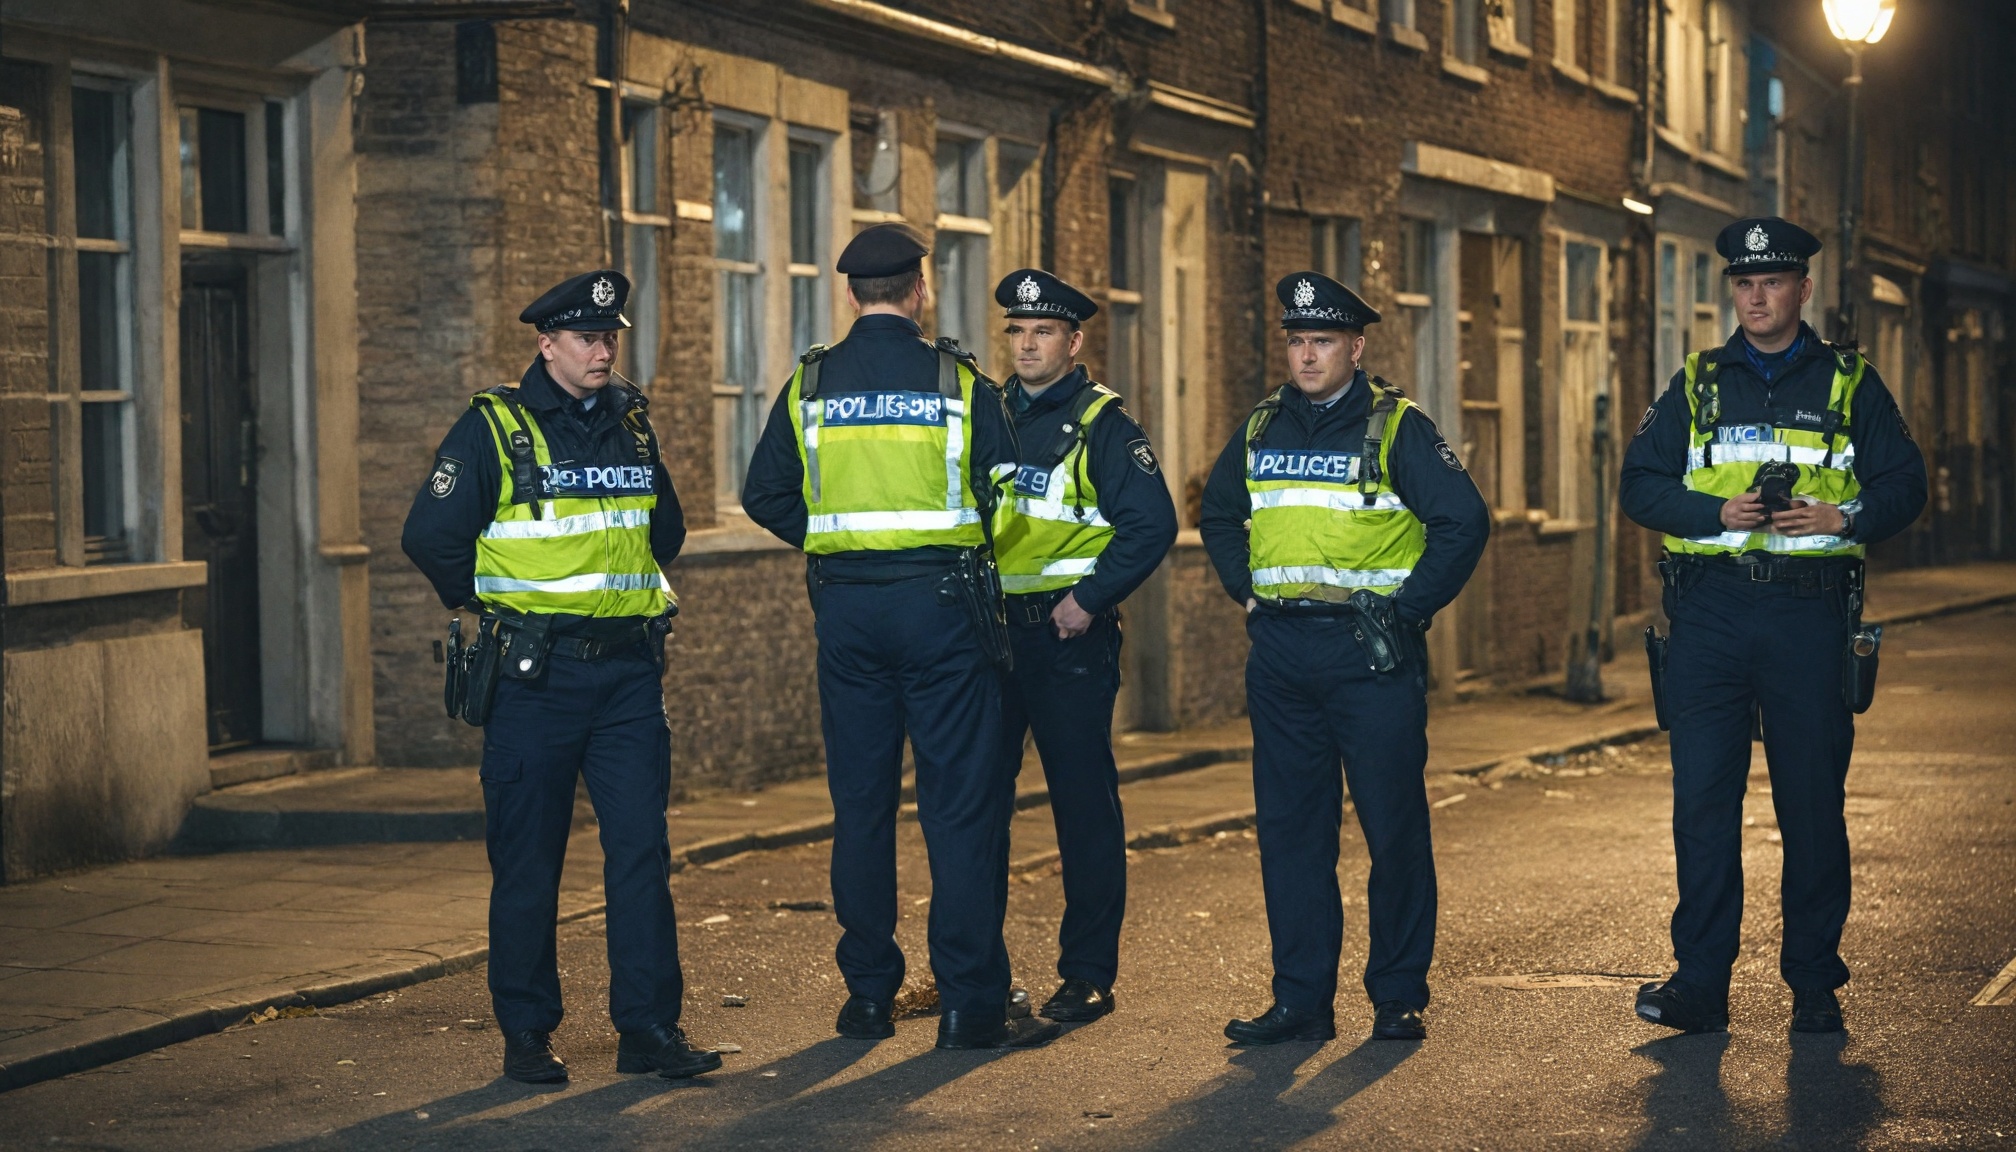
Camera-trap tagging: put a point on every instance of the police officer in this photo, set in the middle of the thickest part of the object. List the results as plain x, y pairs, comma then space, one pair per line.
880, 459
1342, 523
550, 512
1763, 589
1089, 519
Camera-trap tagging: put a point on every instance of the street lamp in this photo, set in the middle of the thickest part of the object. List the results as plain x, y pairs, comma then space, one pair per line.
1857, 24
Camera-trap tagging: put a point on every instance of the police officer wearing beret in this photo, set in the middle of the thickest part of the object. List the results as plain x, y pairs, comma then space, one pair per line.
550, 513
1089, 518
1769, 464
1342, 522
880, 460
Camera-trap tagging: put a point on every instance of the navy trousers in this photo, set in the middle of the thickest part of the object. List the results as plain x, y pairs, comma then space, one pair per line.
1737, 647
1063, 691
604, 722
901, 658
1314, 701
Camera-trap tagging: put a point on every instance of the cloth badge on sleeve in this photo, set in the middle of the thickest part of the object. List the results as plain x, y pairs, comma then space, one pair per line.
1645, 421
1144, 456
446, 470
1448, 455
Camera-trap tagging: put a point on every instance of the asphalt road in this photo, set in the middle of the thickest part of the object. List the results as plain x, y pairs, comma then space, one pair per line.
1566, 873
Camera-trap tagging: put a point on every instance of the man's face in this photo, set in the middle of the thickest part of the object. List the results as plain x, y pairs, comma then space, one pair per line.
1322, 361
1768, 303
1044, 350
579, 362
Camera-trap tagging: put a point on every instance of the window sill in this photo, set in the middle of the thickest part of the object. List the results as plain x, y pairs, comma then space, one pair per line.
1551, 527
1724, 165
1413, 300
1617, 92
1356, 19
1401, 36
55, 585
1151, 14
1571, 73
1512, 50
1315, 6
1467, 73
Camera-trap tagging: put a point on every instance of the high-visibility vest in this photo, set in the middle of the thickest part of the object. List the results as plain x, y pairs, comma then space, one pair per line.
1326, 523
887, 469
575, 540
1722, 459
1050, 533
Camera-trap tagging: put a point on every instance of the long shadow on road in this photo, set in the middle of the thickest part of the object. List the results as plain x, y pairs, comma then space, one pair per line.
1829, 1104
1685, 1105
1253, 1103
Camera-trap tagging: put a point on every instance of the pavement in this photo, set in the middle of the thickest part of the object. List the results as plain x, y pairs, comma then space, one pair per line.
102, 965
1555, 888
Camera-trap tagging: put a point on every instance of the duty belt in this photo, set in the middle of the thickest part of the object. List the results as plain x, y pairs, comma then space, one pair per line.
598, 647
1764, 568
1032, 609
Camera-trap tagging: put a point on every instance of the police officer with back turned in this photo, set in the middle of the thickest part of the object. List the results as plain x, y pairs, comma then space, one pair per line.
1342, 523
550, 513
1089, 519
881, 459
1770, 464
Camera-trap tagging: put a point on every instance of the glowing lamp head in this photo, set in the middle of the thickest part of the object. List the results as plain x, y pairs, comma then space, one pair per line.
1858, 22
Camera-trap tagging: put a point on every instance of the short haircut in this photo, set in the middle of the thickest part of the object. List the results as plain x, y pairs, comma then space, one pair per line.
885, 289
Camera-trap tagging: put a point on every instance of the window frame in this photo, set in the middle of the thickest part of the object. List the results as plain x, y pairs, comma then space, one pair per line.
644, 225
964, 238
735, 440
75, 543
1337, 249
1575, 488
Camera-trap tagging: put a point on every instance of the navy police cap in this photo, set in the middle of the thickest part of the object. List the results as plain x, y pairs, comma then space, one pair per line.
1765, 244
884, 250
1311, 300
590, 302
1034, 294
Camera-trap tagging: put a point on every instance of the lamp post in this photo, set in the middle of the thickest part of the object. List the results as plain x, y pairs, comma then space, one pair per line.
1857, 24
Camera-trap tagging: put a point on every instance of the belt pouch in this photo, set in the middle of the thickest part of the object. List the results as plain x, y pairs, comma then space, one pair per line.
455, 678
1655, 656
1372, 624
526, 644
1858, 668
479, 677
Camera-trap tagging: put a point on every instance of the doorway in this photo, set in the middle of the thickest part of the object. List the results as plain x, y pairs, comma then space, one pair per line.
219, 494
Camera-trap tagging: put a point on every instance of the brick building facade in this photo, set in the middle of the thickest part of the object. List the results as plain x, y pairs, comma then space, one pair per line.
1525, 188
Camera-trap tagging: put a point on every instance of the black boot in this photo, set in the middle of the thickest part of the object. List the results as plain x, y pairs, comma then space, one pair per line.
1280, 1024
1078, 1000
1682, 1009
961, 1030
1816, 1010
865, 1019
1397, 1020
664, 1050
1018, 1003
529, 1059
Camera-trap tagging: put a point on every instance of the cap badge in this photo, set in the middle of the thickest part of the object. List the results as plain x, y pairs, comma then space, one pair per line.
602, 292
1305, 294
1027, 291
1755, 240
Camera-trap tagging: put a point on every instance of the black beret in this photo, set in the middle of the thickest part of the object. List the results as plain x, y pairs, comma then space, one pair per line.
1037, 295
884, 250
590, 302
1313, 300
1765, 244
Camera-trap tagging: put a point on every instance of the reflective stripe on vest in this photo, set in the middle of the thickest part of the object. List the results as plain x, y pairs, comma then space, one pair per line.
585, 553
1316, 533
1727, 467
1051, 535
886, 469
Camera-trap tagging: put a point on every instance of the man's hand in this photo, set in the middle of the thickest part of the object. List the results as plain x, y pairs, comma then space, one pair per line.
1804, 519
1070, 619
1744, 513
1251, 604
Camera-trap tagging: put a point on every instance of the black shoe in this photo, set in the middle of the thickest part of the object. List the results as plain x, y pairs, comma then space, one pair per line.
865, 1019
961, 1030
1280, 1024
1661, 1003
1078, 1000
1397, 1020
529, 1059
1817, 1010
1018, 1003
664, 1050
